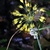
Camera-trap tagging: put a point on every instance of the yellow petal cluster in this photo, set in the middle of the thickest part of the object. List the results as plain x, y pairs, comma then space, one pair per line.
36, 12
20, 21
42, 19
42, 9
18, 26
20, 6
35, 7
25, 1
25, 27
21, 1
32, 25
16, 13
21, 28
15, 21
27, 4
27, 17
28, 29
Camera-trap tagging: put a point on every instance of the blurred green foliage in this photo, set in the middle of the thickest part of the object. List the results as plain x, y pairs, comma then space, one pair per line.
48, 12
4, 48
3, 40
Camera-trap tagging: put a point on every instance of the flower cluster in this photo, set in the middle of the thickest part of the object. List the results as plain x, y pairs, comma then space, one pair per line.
26, 20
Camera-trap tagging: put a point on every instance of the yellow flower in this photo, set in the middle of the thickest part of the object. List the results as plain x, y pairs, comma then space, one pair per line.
32, 25
36, 12
16, 13
42, 19
27, 4
21, 28
35, 7
15, 21
21, 1
25, 26
28, 17
25, 16
26, 1
28, 29
18, 26
42, 10
20, 21
20, 6
13, 13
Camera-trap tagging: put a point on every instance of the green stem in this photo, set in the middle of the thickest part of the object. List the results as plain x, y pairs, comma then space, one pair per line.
39, 44
44, 28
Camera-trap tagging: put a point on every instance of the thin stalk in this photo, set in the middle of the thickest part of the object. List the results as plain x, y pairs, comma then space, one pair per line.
39, 44
12, 37
44, 28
